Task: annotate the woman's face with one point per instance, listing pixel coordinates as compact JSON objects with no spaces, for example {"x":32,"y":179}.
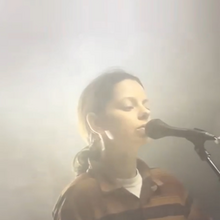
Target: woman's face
{"x":126,"y":112}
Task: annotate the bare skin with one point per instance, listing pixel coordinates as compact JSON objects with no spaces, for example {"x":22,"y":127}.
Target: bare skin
{"x":125,"y":113}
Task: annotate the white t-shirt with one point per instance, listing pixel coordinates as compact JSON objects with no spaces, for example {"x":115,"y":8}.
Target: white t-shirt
{"x":133,"y":185}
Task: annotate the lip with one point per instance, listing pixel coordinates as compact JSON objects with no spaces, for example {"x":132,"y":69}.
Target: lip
{"x":141,"y":130}
{"x":142,"y":126}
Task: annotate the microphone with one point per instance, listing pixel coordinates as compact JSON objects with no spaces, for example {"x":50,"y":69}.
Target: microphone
{"x":157,"y":129}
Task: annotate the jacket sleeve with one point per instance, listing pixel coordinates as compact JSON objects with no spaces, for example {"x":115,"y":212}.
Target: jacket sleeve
{"x":72,"y":205}
{"x":192,"y":208}
{"x":63,"y":210}
{"x":196,"y":213}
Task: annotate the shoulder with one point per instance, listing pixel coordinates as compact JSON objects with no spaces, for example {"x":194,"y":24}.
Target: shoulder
{"x":173,"y":187}
{"x":78,"y":194}
{"x":83,"y":185}
{"x":164,"y":176}
{"x":170,"y":184}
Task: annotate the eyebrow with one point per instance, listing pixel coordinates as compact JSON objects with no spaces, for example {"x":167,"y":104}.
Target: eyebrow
{"x":134,"y":99}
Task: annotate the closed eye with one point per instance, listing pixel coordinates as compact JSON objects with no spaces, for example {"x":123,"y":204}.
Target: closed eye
{"x":129,"y":103}
{"x":128,"y":108}
{"x":147,"y":107}
{"x":146,"y":104}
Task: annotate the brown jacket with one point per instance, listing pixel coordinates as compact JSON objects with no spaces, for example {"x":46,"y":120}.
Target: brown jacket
{"x":95,"y":195}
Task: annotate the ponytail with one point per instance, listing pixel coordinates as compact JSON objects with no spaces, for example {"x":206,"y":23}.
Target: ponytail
{"x":81,"y":161}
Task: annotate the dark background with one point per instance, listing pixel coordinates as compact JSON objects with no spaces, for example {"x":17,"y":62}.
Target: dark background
{"x":49,"y":50}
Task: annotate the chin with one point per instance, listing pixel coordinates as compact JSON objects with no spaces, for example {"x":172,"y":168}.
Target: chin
{"x":142,"y":141}
{"x":148,"y":140}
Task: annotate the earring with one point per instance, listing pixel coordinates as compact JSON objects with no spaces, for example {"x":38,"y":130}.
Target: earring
{"x":109,"y":135}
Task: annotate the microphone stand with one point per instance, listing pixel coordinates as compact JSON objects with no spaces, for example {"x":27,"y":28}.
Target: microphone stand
{"x":205,"y":155}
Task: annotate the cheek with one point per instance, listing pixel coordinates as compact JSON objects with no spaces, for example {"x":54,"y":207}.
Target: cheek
{"x":120,"y":122}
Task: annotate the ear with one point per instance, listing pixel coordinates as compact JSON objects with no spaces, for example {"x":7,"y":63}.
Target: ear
{"x":94,"y":123}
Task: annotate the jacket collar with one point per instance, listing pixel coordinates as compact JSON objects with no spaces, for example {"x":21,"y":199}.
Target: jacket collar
{"x":108,"y":183}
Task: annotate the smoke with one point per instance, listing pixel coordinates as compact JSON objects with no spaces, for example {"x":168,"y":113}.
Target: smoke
{"x":51,"y":49}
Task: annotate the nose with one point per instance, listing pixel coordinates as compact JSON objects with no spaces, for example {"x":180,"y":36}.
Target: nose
{"x":143,"y":113}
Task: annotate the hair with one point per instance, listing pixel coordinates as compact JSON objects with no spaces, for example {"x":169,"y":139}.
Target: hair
{"x":94,"y":99}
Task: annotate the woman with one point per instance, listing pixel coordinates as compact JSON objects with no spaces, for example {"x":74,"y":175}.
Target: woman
{"x":112,"y":183}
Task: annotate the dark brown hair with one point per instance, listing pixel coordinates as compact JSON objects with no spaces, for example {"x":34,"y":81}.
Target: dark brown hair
{"x":94,"y":99}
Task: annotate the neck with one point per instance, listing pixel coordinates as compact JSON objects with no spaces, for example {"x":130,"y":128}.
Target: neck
{"x":123,"y":165}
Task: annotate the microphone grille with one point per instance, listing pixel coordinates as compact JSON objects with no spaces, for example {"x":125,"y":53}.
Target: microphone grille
{"x":155,"y":128}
